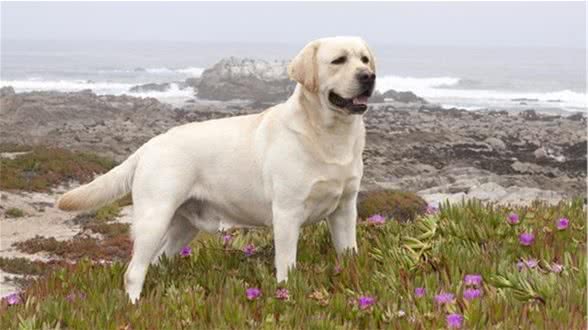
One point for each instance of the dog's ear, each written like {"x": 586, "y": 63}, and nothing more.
{"x": 372, "y": 63}
{"x": 303, "y": 67}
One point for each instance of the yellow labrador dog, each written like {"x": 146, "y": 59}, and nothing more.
{"x": 296, "y": 163}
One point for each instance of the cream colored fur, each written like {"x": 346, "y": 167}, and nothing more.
{"x": 296, "y": 163}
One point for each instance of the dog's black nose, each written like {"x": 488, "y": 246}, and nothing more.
{"x": 366, "y": 77}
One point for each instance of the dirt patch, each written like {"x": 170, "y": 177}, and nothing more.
{"x": 101, "y": 235}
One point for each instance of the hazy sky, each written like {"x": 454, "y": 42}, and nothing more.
{"x": 456, "y": 23}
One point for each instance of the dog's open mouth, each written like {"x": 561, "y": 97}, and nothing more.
{"x": 355, "y": 105}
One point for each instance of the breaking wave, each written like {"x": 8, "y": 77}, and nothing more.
{"x": 449, "y": 90}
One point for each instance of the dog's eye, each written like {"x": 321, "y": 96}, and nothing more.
{"x": 365, "y": 59}
{"x": 339, "y": 60}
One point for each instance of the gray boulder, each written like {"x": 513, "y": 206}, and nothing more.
{"x": 404, "y": 97}
{"x": 6, "y": 91}
{"x": 152, "y": 87}
{"x": 246, "y": 79}
{"x": 377, "y": 97}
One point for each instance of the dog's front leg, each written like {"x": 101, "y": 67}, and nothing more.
{"x": 342, "y": 224}
{"x": 286, "y": 226}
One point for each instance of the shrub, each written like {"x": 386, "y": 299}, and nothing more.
{"x": 45, "y": 167}
{"x": 14, "y": 212}
{"x": 399, "y": 205}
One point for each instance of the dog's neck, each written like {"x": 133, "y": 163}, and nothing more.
{"x": 338, "y": 138}
{"x": 320, "y": 117}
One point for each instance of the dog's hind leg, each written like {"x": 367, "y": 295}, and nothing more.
{"x": 150, "y": 224}
{"x": 180, "y": 233}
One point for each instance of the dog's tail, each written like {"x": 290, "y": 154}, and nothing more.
{"x": 103, "y": 189}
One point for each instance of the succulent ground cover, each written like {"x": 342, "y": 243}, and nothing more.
{"x": 459, "y": 266}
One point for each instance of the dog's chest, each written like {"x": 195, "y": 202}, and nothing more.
{"x": 327, "y": 191}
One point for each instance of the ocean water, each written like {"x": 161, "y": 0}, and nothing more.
{"x": 545, "y": 79}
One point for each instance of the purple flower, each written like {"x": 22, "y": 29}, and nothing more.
{"x": 376, "y": 219}
{"x": 526, "y": 239}
{"x": 13, "y": 299}
{"x": 419, "y": 292}
{"x": 513, "y": 218}
{"x": 252, "y": 293}
{"x": 186, "y": 251}
{"x": 282, "y": 294}
{"x": 444, "y": 298}
{"x": 249, "y": 250}
{"x": 527, "y": 263}
{"x": 473, "y": 279}
{"x": 71, "y": 296}
{"x": 454, "y": 321}
{"x": 557, "y": 268}
{"x": 365, "y": 302}
{"x": 531, "y": 263}
{"x": 471, "y": 294}
{"x": 563, "y": 223}
{"x": 432, "y": 209}
{"x": 227, "y": 239}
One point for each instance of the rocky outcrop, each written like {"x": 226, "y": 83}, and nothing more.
{"x": 247, "y": 79}
{"x": 6, "y": 91}
{"x": 404, "y": 97}
{"x": 192, "y": 82}
{"x": 110, "y": 125}
{"x": 409, "y": 146}
{"x": 377, "y": 97}
{"x": 152, "y": 87}
{"x": 416, "y": 147}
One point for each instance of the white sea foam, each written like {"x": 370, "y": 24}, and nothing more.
{"x": 174, "y": 93}
{"x": 188, "y": 71}
{"x": 191, "y": 71}
{"x": 67, "y": 86}
{"x": 440, "y": 90}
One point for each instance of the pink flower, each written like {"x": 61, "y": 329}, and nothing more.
{"x": 473, "y": 279}
{"x": 365, "y": 302}
{"x": 454, "y": 321}
{"x": 253, "y": 293}
{"x": 471, "y": 294}
{"x": 249, "y": 250}
{"x": 444, "y": 298}
{"x": 376, "y": 219}
{"x": 13, "y": 298}
{"x": 186, "y": 251}
{"x": 419, "y": 292}
{"x": 526, "y": 239}
{"x": 513, "y": 218}
{"x": 282, "y": 294}
{"x": 563, "y": 223}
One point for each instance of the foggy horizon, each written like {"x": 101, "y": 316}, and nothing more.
{"x": 456, "y": 24}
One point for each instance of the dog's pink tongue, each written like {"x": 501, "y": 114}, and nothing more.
{"x": 360, "y": 100}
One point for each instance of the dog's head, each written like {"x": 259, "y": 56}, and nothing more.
{"x": 340, "y": 70}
